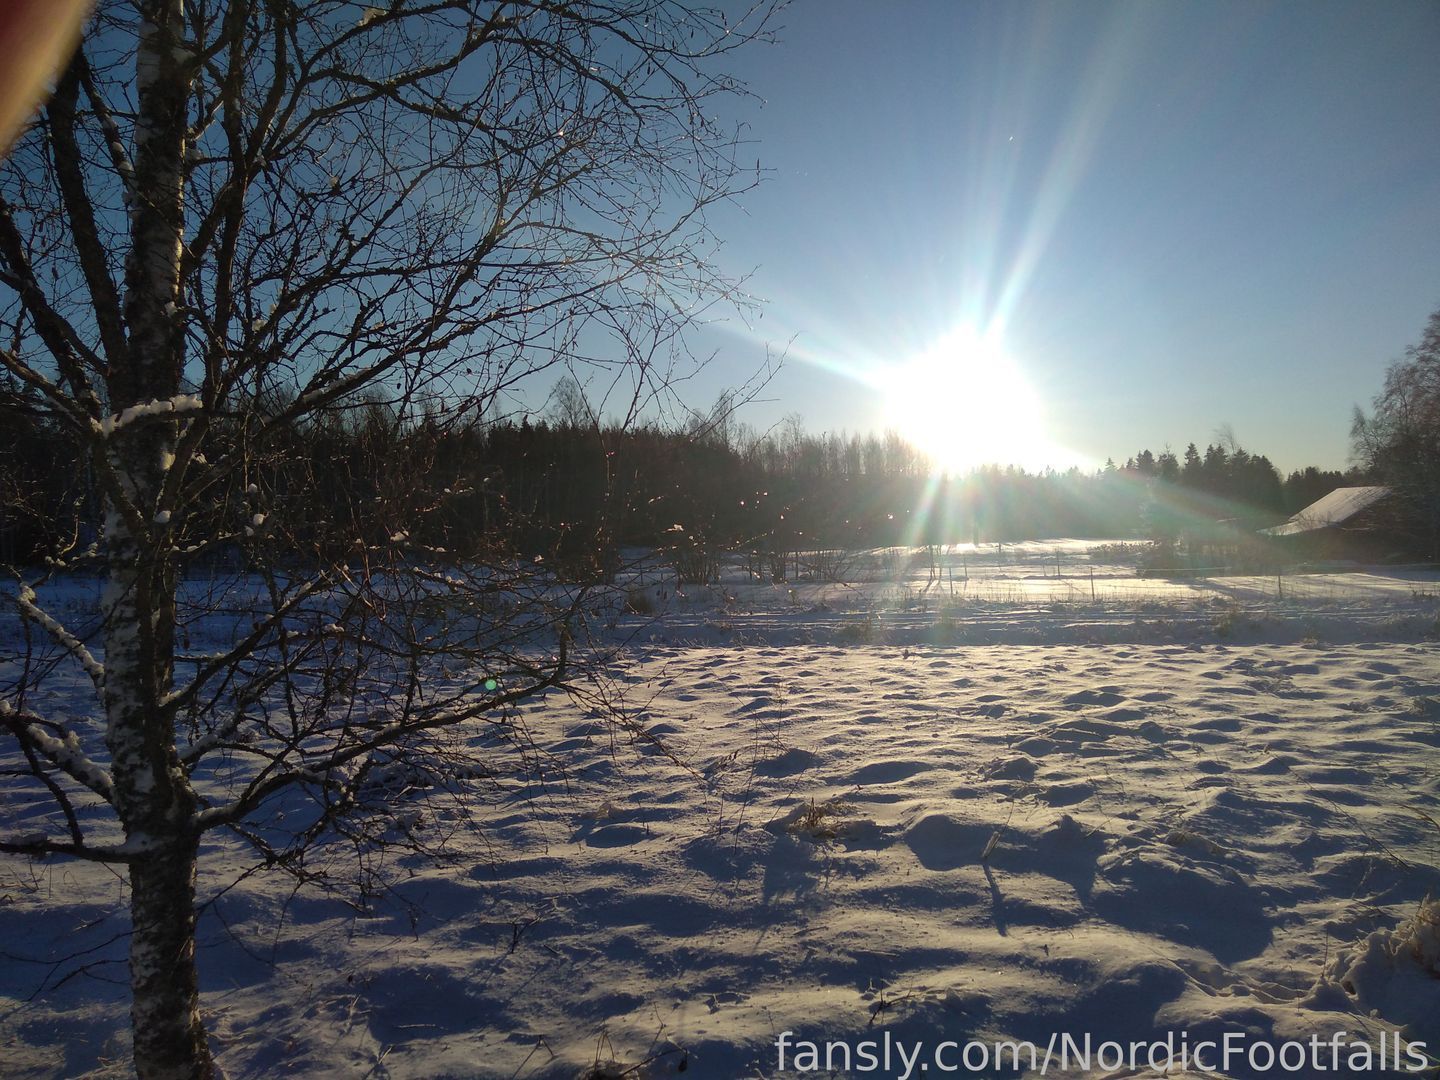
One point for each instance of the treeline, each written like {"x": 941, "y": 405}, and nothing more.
{"x": 577, "y": 493}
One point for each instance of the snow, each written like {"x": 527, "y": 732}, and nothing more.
{"x": 26, "y": 602}
{"x": 174, "y": 406}
{"x": 1333, "y": 509}
{"x": 905, "y": 806}
{"x": 67, "y": 753}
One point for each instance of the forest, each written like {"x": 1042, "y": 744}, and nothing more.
{"x": 572, "y": 489}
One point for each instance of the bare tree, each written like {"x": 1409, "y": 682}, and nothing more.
{"x": 237, "y": 219}
{"x": 1399, "y": 442}
{"x": 569, "y": 405}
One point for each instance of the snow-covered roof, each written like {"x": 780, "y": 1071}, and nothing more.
{"x": 1334, "y": 509}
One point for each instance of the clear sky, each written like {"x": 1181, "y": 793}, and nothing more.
{"x": 1160, "y": 217}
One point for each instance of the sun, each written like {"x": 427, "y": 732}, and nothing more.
{"x": 965, "y": 403}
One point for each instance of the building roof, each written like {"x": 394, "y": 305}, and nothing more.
{"x": 1334, "y": 509}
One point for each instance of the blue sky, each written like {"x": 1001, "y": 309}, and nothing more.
{"x": 1169, "y": 216}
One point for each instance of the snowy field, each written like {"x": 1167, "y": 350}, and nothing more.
{"x": 989, "y": 802}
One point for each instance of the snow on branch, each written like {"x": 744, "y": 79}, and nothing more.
{"x": 123, "y": 166}
{"x": 63, "y": 752}
{"x": 37, "y": 845}
{"x": 178, "y": 405}
{"x": 66, "y": 640}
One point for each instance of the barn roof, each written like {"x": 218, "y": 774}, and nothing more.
{"x": 1334, "y": 509}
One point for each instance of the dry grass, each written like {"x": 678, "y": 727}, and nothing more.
{"x": 816, "y": 820}
{"x": 1422, "y": 936}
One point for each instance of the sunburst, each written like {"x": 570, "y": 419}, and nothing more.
{"x": 966, "y": 403}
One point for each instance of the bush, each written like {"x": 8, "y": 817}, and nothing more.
{"x": 1421, "y": 936}
{"x": 861, "y": 631}
{"x": 638, "y": 601}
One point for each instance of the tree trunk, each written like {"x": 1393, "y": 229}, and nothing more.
{"x": 153, "y": 796}
{"x": 156, "y": 804}
{"x": 169, "y": 1035}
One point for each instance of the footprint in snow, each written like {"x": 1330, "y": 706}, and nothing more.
{"x": 942, "y": 842}
{"x": 789, "y": 763}
{"x": 1018, "y": 767}
{"x": 1066, "y": 794}
{"x": 1100, "y": 696}
{"x": 612, "y": 836}
{"x": 885, "y": 772}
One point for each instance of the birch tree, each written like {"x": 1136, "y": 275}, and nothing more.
{"x": 235, "y": 218}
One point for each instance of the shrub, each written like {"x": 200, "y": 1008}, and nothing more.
{"x": 1421, "y": 936}
{"x": 861, "y": 631}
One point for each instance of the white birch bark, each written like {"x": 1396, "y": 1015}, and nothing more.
{"x": 152, "y": 792}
